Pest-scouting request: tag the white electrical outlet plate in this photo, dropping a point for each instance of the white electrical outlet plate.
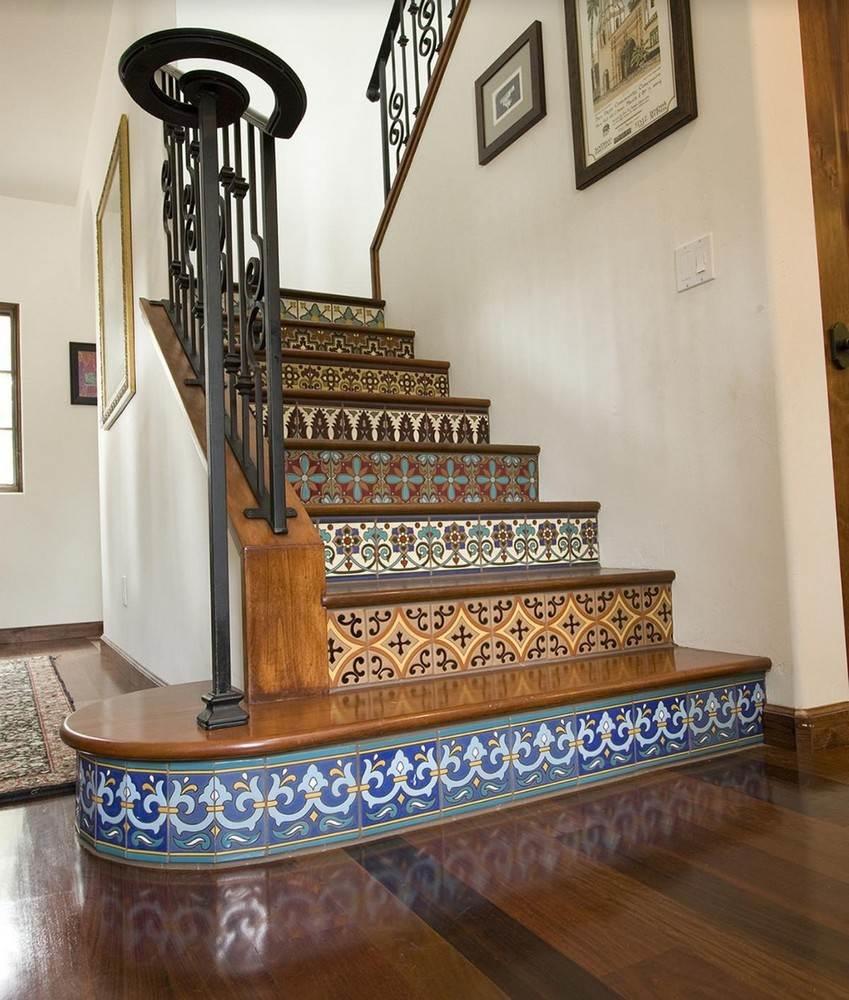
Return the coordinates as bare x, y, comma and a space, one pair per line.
694, 263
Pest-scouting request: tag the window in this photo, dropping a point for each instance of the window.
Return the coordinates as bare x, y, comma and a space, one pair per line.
10, 401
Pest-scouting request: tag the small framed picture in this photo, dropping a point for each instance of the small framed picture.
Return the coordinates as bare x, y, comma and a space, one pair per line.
510, 95
631, 77
83, 358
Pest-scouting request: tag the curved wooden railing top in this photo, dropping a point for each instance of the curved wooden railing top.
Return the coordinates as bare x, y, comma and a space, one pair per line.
414, 51
224, 299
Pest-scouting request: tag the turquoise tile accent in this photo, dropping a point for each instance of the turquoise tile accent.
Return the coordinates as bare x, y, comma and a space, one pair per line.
259, 808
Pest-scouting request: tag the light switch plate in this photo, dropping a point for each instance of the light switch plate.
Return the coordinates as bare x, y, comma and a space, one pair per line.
694, 263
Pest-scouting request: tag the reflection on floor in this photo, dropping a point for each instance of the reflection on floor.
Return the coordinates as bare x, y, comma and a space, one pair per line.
720, 879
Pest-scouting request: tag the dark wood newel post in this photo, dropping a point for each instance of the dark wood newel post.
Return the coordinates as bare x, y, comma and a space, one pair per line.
204, 101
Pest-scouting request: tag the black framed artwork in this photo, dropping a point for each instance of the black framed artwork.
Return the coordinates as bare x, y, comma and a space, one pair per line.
631, 77
510, 95
83, 362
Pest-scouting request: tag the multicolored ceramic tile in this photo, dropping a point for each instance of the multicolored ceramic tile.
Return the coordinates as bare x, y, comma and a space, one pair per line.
366, 476
313, 798
318, 311
350, 340
382, 422
373, 546
339, 376
545, 753
400, 783
456, 636
220, 812
475, 767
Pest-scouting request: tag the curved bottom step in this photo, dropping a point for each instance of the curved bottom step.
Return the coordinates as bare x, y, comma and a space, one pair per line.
315, 772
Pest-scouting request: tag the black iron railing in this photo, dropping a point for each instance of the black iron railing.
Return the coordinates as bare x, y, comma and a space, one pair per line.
219, 184
412, 42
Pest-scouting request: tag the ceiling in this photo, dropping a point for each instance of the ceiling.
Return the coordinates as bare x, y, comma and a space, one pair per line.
49, 70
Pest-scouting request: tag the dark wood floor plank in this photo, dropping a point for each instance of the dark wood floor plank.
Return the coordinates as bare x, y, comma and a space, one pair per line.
683, 974
512, 956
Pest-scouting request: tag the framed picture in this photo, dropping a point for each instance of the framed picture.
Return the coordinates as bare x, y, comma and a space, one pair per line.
115, 283
83, 360
631, 78
510, 95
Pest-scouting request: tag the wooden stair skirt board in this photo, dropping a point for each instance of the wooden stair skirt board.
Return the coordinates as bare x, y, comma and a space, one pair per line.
282, 575
319, 771
807, 729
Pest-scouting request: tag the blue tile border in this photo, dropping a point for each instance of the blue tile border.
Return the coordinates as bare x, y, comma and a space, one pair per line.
255, 809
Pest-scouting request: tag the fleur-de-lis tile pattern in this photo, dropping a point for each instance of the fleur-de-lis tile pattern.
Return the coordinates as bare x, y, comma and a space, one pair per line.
374, 645
374, 476
379, 422
321, 311
260, 808
372, 546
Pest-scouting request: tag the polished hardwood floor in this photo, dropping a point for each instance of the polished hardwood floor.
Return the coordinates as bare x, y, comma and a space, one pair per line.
725, 878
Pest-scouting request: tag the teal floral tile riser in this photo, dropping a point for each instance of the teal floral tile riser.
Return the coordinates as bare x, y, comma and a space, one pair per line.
190, 813
372, 546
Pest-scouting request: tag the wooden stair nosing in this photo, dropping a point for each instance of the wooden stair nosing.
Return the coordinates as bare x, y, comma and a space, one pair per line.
415, 589
364, 361
379, 331
575, 508
386, 399
328, 444
307, 296
161, 723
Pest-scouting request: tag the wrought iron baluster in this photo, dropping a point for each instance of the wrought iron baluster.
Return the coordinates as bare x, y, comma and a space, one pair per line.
403, 42
414, 18
244, 381
254, 278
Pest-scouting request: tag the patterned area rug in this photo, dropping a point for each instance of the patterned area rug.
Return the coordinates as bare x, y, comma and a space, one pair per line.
33, 703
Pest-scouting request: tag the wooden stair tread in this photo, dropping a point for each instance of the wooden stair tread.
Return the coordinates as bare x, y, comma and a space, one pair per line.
363, 360
346, 593
352, 510
325, 324
326, 444
376, 398
160, 723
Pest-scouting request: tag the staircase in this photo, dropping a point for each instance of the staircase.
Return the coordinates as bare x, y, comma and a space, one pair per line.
423, 635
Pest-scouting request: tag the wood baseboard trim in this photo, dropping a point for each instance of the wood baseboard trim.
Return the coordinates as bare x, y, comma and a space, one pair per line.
807, 729
147, 674
50, 633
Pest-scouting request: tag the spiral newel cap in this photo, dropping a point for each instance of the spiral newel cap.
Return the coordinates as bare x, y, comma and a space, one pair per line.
140, 63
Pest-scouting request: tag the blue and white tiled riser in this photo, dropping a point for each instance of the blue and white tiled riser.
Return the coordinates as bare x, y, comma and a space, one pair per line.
265, 807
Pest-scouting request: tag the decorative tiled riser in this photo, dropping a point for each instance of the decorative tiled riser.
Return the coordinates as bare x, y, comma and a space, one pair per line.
374, 546
352, 378
351, 341
262, 808
408, 642
310, 311
385, 423
375, 477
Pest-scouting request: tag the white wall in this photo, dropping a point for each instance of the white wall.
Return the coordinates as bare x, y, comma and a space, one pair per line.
49, 538
698, 420
330, 174
152, 473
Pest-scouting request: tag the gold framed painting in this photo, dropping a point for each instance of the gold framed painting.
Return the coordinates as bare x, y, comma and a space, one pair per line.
116, 340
